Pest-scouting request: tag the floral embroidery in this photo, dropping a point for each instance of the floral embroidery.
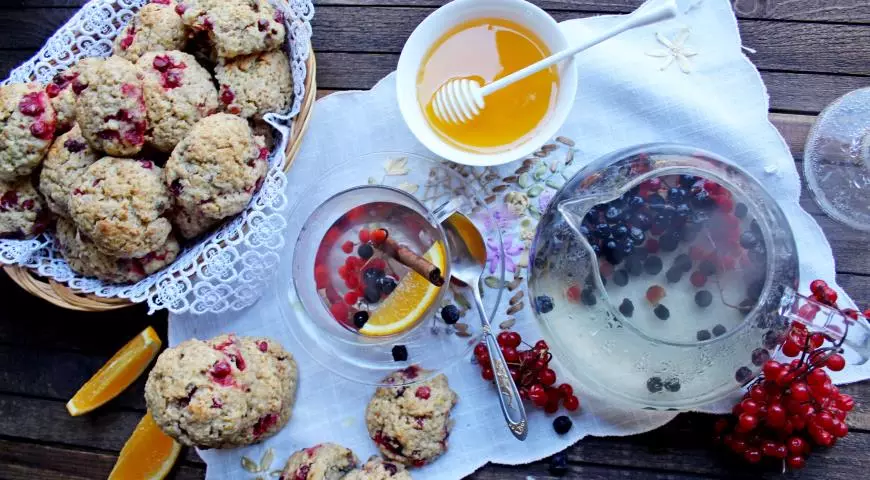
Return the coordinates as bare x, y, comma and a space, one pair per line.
675, 51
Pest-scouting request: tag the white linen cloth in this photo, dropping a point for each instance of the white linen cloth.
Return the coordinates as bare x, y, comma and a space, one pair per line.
684, 81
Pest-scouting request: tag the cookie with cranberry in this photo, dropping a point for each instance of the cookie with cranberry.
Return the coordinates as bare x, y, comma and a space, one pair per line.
83, 257
410, 423
64, 90
66, 160
236, 27
119, 203
376, 468
111, 111
325, 461
253, 85
225, 392
22, 211
213, 172
157, 26
178, 93
27, 123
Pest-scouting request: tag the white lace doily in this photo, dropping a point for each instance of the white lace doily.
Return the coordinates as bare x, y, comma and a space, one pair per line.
228, 269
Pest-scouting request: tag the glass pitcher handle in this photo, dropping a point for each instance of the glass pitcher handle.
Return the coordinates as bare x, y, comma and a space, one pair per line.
817, 317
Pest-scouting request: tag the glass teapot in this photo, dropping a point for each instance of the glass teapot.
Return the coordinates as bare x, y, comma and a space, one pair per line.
664, 277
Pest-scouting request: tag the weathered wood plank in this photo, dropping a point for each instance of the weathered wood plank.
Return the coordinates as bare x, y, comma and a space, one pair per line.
847, 11
793, 46
27, 461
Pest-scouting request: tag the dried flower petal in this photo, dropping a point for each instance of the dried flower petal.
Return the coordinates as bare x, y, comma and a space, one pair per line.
250, 465
397, 166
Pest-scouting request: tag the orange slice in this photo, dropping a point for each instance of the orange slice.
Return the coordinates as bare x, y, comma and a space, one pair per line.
117, 374
408, 302
148, 454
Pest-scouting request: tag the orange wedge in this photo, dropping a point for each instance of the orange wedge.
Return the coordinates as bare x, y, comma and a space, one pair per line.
117, 374
409, 301
148, 454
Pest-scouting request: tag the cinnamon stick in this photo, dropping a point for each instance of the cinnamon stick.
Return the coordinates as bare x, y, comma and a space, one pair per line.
410, 259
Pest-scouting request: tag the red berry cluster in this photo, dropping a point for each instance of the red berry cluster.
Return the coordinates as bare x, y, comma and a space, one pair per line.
792, 407
530, 370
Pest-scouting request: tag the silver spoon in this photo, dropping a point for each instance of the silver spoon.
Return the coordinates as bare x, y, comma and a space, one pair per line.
468, 259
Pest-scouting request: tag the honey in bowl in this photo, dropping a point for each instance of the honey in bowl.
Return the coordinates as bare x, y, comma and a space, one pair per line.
485, 50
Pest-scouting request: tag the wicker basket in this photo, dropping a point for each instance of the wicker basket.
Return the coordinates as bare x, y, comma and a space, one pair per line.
62, 296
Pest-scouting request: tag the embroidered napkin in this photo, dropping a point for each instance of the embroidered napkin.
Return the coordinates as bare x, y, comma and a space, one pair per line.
684, 81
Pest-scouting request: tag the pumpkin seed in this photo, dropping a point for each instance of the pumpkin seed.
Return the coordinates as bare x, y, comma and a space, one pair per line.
460, 333
510, 179
250, 465
516, 298
522, 169
524, 180
535, 191
540, 172
555, 182
500, 188
565, 141
507, 324
516, 308
514, 283
549, 147
266, 461
489, 199
492, 282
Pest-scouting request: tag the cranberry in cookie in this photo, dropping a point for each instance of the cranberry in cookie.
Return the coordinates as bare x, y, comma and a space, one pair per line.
410, 423
221, 393
64, 90
326, 461
111, 111
213, 172
236, 27
83, 257
376, 468
27, 123
253, 85
119, 203
178, 93
66, 160
157, 26
22, 212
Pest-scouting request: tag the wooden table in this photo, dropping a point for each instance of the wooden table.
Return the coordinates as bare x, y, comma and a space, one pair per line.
809, 52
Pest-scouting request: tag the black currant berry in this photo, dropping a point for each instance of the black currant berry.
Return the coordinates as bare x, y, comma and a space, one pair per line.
683, 262
742, 375
360, 318
703, 335
719, 330
562, 424
662, 312
707, 267
386, 285
674, 274
365, 251
653, 265
587, 297
740, 210
626, 308
400, 353
703, 298
654, 384
372, 294
620, 278
634, 266
672, 385
544, 303
450, 314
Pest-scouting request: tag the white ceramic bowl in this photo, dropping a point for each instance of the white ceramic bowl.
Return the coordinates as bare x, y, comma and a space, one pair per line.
461, 11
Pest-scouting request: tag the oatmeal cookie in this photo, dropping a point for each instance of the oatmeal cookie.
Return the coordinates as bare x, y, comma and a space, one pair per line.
27, 123
67, 158
213, 172
22, 212
65, 88
253, 85
410, 424
119, 204
157, 26
83, 257
236, 27
326, 461
376, 468
111, 111
178, 93
225, 392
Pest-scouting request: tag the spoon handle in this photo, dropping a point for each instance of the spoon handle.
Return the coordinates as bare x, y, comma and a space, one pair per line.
639, 18
509, 397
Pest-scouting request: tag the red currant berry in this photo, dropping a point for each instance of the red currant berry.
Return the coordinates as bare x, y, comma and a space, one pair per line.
514, 339
510, 354
487, 373
790, 348
538, 395
547, 376
768, 448
771, 369
747, 422
541, 346
573, 293
816, 340
503, 339
796, 445
752, 455
364, 235
480, 349
839, 429
796, 462
800, 392
698, 279
347, 247
830, 295
351, 297
378, 236
515, 374
776, 416
757, 393
845, 402
571, 403
836, 362
551, 407
738, 446
818, 286
566, 390
749, 406
817, 377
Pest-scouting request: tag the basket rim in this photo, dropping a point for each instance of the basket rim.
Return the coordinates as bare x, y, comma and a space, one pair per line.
62, 296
